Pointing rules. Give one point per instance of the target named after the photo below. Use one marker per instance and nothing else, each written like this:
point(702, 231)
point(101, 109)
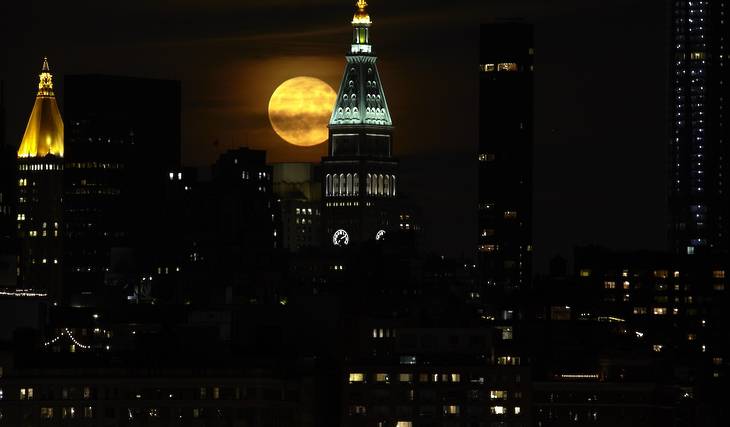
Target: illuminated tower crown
point(44, 133)
point(361, 100)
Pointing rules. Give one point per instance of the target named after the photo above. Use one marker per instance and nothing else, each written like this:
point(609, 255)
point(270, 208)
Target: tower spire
point(44, 132)
point(361, 30)
point(45, 85)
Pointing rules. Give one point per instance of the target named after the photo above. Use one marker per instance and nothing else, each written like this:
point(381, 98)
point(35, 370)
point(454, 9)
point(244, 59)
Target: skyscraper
point(122, 142)
point(699, 197)
point(359, 172)
point(299, 194)
point(8, 187)
point(505, 153)
point(40, 183)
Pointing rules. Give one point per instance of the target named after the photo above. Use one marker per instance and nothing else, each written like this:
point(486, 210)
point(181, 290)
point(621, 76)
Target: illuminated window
point(404, 424)
point(405, 378)
point(408, 360)
point(717, 361)
point(486, 157)
point(26, 394)
point(455, 378)
point(508, 360)
point(661, 274)
point(423, 378)
point(718, 286)
point(88, 412)
point(498, 410)
point(487, 232)
point(358, 410)
point(639, 310)
point(697, 55)
point(518, 410)
point(607, 284)
point(498, 394)
point(510, 215)
point(356, 377)
point(506, 332)
point(46, 413)
point(691, 337)
point(487, 68)
point(657, 347)
point(382, 378)
point(216, 392)
point(488, 248)
point(451, 409)
point(507, 66)
point(660, 311)
point(626, 284)
point(718, 274)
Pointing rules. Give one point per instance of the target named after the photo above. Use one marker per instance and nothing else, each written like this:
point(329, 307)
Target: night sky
point(599, 102)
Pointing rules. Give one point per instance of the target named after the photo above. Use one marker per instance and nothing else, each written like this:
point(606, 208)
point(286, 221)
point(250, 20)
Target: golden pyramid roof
point(44, 133)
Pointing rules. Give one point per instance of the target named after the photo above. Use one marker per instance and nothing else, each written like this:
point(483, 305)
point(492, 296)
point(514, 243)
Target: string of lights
point(71, 337)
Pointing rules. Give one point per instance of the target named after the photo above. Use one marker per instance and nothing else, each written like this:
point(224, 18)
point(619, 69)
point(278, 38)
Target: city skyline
point(166, 259)
point(565, 210)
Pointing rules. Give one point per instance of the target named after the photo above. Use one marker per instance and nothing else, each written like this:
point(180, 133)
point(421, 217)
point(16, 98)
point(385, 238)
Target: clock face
point(380, 235)
point(341, 238)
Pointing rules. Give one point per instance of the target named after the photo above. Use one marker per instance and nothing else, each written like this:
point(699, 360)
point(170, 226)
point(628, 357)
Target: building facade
point(360, 180)
point(119, 153)
point(699, 159)
point(505, 153)
point(40, 190)
point(8, 187)
point(299, 196)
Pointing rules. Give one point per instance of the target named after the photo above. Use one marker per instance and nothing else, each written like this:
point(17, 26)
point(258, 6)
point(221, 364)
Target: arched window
point(380, 185)
point(328, 185)
point(386, 185)
point(356, 185)
point(342, 184)
point(349, 184)
point(393, 184)
point(368, 185)
point(336, 185)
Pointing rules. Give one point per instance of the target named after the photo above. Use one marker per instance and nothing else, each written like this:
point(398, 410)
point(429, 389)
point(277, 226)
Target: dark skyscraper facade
point(699, 198)
point(359, 173)
point(120, 151)
point(8, 188)
point(505, 153)
point(40, 178)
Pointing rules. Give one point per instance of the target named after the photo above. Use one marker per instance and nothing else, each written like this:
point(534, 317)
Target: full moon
point(299, 110)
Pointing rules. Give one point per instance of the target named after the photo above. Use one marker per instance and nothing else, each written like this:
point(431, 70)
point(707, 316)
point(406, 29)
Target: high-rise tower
point(359, 172)
point(40, 189)
point(505, 153)
point(699, 197)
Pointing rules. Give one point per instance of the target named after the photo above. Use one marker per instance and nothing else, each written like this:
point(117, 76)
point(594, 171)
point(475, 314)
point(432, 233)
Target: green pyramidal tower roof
point(361, 99)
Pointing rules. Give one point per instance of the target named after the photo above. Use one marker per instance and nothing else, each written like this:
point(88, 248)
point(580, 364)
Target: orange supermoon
point(300, 109)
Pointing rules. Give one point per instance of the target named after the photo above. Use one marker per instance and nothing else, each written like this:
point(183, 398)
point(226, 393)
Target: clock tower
point(360, 179)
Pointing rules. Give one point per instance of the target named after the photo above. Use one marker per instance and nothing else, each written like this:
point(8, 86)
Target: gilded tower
point(40, 171)
point(360, 174)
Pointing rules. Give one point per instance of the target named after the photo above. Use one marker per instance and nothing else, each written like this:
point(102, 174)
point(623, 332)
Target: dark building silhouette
point(505, 153)
point(298, 191)
point(699, 157)
point(359, 172)
point(242, 181)
point(40, 178)
point(8, 202)
point(120, 150)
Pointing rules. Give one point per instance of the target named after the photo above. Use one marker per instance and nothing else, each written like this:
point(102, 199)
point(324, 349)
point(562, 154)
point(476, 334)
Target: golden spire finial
point(45, 85)
point(361, 16)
